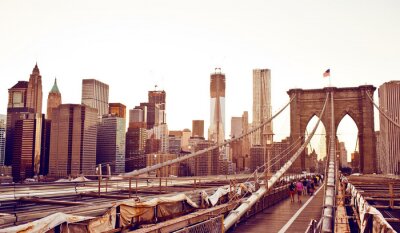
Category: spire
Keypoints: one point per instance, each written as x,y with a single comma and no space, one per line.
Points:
54,89
36,69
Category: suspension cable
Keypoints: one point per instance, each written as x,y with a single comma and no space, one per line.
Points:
237,213
329,195
382,112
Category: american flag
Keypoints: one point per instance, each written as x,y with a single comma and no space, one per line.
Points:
327,73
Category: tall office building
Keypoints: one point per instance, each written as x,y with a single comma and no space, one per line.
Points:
158,97
262,106
2,138
174,144
95,95
185,139
236,127
152,114
27,146
53,100
138,114
355,161
198,128
389,102
117,109
34,96
235,149
245,140
207,163
216,132
17,105
164,138
136,137
45,154
257,157
342,155
280,154
153,145
111,143
73,140
381,161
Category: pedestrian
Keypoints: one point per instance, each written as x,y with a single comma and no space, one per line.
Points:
305,186
312,188
292,189
299,188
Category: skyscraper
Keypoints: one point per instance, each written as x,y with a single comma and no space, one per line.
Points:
236,127
95,95
174,144
2,138
216,132
198,128
27,146
111,143
342,155
152,114
262,106
164,138
185,139
138,114
117,109
246,140
53,100
17,95
17,105
73,140
158,97
136,137
34,96
389,102
240,150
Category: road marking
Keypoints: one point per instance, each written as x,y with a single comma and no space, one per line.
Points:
290,222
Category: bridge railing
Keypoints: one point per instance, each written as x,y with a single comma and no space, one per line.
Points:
367,213
212,225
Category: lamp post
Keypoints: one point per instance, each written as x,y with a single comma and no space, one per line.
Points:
268,140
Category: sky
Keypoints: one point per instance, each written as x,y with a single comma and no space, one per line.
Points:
176,44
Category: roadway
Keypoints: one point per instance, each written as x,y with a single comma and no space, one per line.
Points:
285,216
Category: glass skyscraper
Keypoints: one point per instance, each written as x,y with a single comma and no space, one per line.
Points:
389,102
95,95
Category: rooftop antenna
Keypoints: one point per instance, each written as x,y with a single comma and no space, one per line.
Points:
155,87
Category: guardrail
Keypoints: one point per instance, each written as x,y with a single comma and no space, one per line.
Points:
371,220
212,225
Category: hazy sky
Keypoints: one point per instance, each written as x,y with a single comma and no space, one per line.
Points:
134,45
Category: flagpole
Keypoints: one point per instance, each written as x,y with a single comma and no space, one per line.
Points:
330,84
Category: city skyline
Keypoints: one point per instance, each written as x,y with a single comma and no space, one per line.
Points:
178,116
120,45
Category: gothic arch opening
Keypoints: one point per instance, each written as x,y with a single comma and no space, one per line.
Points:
316,149
347,100
347,146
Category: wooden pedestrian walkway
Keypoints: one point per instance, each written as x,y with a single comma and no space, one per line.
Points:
285,216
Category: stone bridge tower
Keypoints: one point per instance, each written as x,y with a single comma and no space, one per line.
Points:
350,100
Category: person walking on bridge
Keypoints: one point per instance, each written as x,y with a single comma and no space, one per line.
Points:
292,190
299,188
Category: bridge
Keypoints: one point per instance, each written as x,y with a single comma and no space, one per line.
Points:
252,202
